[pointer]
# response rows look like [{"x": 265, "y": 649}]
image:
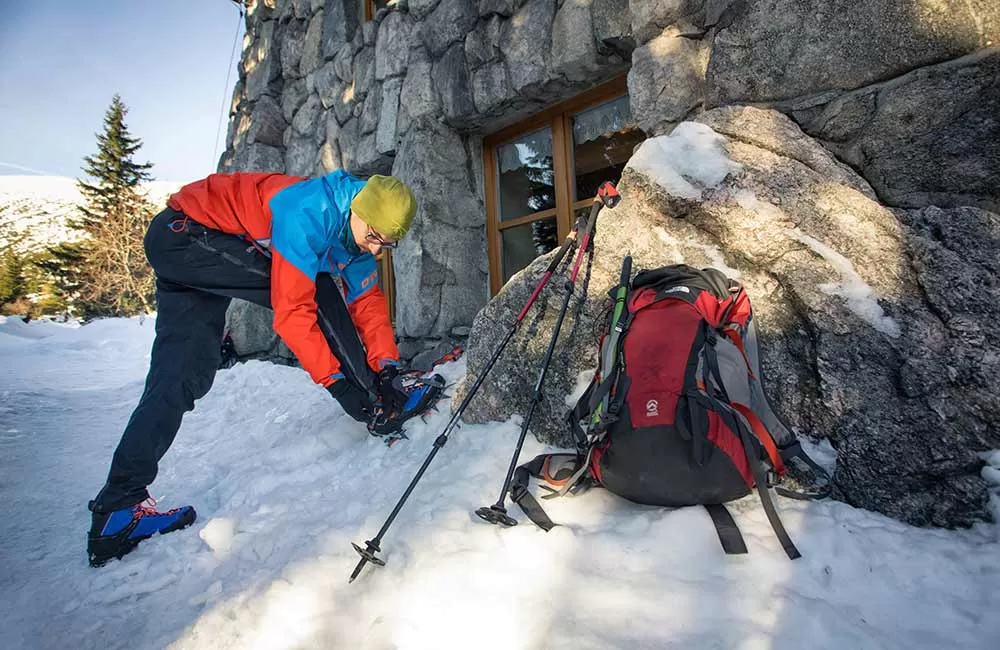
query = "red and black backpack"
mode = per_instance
[{"x": 676, "y": 413}]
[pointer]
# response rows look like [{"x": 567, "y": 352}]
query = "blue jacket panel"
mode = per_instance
[{"x": 310, "y": 228}]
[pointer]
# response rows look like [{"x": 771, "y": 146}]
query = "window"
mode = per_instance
[
  {"x": 542, "y": 172},
  {"x": 371, "y": 7}
]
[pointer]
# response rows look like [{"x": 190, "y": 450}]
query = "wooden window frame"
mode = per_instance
[
  {"x": 369, "y": 9},
  {"x": 387, "y": 275},
  {"x": 558, "y": 119}
]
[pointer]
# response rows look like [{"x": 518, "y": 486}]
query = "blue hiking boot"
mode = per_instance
[
  {"x": 114, "y": 534},
  {"x": 423, "y": 392}
]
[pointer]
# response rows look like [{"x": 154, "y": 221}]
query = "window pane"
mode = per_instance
[
  {"x": 522, "y": 244},
  {"x": 526, "y": 175},
  {"x": 603, "y": 139}
]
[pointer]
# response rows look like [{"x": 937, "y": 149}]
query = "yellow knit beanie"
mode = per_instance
[{"x": 387, "y": 205}]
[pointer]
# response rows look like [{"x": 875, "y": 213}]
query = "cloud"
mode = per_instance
[{"x": 30, "y": 170}]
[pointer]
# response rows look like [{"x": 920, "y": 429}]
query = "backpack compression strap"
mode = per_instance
[
  {"x": 567, "y": 472},
  {"x": 727, "y": 530},
  {"x": 519, "y": 492}
]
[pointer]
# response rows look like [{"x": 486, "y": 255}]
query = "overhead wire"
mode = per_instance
[{"x": 225, "y": 94}]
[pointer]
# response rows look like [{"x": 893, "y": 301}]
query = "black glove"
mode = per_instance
[
  {"x": 354, "y": 400},
  {"x": 390, "y": 391}
]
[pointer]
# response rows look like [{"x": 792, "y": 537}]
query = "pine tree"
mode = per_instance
[
  {"x": 106, "y": 274},
  {"x": 63, "y": 268},
  {"x": 12, "y": 280}
]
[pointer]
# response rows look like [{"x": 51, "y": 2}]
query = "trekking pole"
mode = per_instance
[
  {"x": 372, "y": 546},
  {"x": 497, "y": 513}
]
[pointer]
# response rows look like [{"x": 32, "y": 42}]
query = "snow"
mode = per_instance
[
  {"x": 283, "y": 482},
  {"x": 687, "y": 161},
  {"x": 218, "y": 535}
]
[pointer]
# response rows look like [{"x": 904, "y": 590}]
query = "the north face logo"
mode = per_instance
[{"x": 652, "y": 408}]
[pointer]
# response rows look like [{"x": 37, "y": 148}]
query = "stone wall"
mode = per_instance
[{"x": 413, "y": 91}]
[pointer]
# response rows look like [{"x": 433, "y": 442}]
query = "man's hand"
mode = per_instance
[
  {"x": 390, "y": 391},
  {"x": 353, "y": 400}
]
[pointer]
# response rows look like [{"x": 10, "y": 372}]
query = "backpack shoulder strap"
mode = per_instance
[
  {"x": 581, "y": 411},
  {"x": 764, "y": 436},
  {"x": 736, "y": 423},
  {"x": 765, "y": 498}
]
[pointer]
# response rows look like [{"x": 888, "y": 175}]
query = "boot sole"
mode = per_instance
[{"x": 101, "y": 550}]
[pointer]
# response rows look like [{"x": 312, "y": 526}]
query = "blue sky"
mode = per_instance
[{"x": 61, "y": 61}]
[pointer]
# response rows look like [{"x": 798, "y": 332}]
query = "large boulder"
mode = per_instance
[{"x": 864, "y": 340}]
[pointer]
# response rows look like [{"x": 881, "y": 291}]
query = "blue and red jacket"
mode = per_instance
[{"x": 306, "y": 224}]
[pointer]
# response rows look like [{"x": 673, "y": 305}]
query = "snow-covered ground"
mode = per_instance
[{"x": 283, "y": 482}]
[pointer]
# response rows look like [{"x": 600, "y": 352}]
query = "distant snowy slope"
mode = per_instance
[{"x": 35, "y": 210}]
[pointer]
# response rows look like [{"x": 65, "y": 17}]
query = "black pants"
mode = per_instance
[{"x": 198, "y": 272}]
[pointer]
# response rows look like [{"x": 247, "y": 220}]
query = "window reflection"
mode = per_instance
[
  {"x": 522, "y": 244},
  {"x": 527, "y": 178},
  {"x": 603, "y": 140}
]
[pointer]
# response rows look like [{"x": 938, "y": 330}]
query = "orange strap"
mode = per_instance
[{"x": 764, "y": 436}]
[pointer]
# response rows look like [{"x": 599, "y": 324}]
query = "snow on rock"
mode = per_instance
[
  {"x": 687, "y": 161},
  {"x": 991, "y": 474},
  {"x": 853, "y": 289},
  {"x": 858, "y": 295},
  {"x": 582, "y": 382},
  {"x": 714, "y": 255}
]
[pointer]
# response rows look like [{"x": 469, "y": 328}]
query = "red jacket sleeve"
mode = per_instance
[{"x": 293, "y": 296}]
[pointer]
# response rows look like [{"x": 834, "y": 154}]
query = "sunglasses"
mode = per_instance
[{"x": 376, "y": 238}]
